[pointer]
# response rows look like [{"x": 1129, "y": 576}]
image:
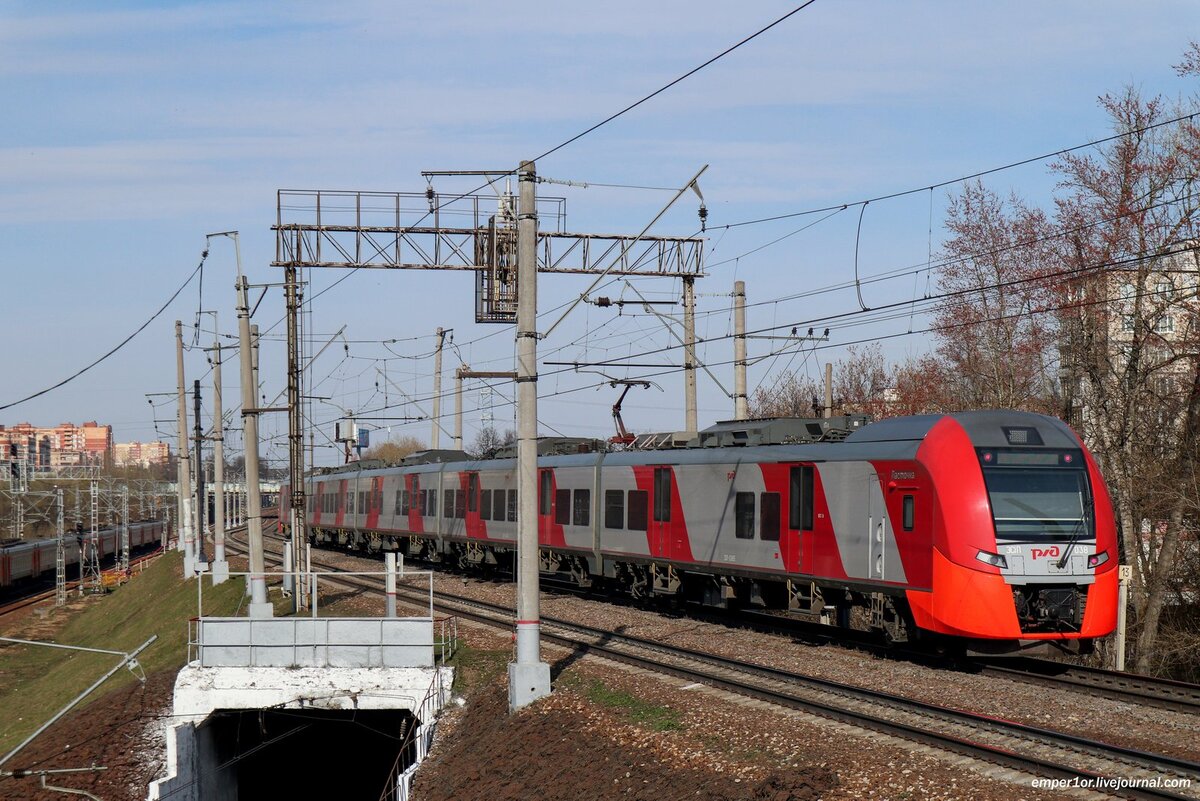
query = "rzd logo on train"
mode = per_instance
[{"x": 1044, "y": 553}]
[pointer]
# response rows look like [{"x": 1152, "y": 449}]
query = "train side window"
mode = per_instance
[
  {"x": 662, "y": 494},
  {"x": 638, "y": 508},
  {"x": 795, "y": 497},
  {"x": 512, "y": 506},
  {"x": 448, "y": 503},
  {"x": 562, "y": 507},
  {"x": 498, "y": 505},
  {"x": 768, "y": 505},
  {"x": 800, "y": 498},
  {"x": 472, "y": 492},
  {"x": 743, "y": 515},
  {"x": 614, "y": 509},
  {"x": 485, "y": 505},
  {"x": 401, "y": 502},
  {"x": 432, "y": 506},
  {"x": 806, "y": 511},
  {"x": 460, "y": 505},
  {"x": 581, "y": 508},
  {"x": 909, "y": 512},
  {"x": 544, "y": 497}
]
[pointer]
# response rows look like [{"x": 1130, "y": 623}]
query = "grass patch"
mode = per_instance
[
  {"x": 36, "y": 682},
  {"x": 643, "y": 713},
  {"x": 476, "y": 667}
]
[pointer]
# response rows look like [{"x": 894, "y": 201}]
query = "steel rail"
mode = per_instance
[
  {"x": 1135, "y": 688},
  {"x": 608, "y": 647}
]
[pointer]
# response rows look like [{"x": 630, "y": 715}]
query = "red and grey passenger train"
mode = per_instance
[
  {"x": 990, "y": 529},
  {"x": 29, "y": 559}
]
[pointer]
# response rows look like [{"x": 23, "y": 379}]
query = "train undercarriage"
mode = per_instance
[
  {"x": 1042, "y": 609},
  {"x": 648, "y": 581}
]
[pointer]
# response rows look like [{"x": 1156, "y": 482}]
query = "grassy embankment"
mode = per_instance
[{"x": 35, "y": 682}]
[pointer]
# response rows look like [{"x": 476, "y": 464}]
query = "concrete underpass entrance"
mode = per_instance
[
  {"x": 304, "y": 708},
  {"x": 289, "y": 753}
]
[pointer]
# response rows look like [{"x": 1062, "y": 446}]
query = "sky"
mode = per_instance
[{"x": 133, "y": 129}]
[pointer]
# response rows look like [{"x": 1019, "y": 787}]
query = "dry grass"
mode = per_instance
[{"x": 35, "y": 682}]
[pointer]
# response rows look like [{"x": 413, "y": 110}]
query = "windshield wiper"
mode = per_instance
[{"x": 1076, "y": 535}]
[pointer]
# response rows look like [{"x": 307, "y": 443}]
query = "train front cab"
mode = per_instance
[{"x": 1024, "y": 555}]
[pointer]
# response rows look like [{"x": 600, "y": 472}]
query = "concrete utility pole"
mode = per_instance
[
  {"x": 296, "y": 521},
  {"x": 259, "y": 605},
  {"x": 434, "y": 437},
  {"x": 828, "y": 389},
  {"x": 389, "y": 585},
  {"x": 528, "y": 676},
  {"x": 201, "y": 498},
  {"x": 254, "y": 350},
  {"x": 220, "y": 567},
  {"x": 184, "y": 479},
  {"x": 458, "y": 421},
  {"x": 460, "y": 374},
  {"x": 689, "y": 353},
  {"x": 741, "y": 409},
  {"x": 502, "y": 295}
]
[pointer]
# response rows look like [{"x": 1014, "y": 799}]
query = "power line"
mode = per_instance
[
  {"x": 120, "y": 345},
  {"x": 680, "y": 79},
  {"x": 589, "y": 130},
  {"x": 980, "y": 174}
]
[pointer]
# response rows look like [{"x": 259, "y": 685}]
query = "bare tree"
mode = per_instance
[
  {"x": 393, "y": 451},
  {"x": 1131, "y": 336},
  {"x": 489, "y": 441},
  {"x": 997, "y": 347}
]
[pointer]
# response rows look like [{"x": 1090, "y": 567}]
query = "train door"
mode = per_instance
[
  {"x": 661, "y": 525},
  {"x": 877, "y": 522},
  {"x": 799, "y": 517}
]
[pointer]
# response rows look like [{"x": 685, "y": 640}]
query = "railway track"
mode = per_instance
[
  {"x": 1133, "y": 688},
  {"x": 22, "y": 602},
  {"x": 27, "y": 601},
  {"x": 1032, "y": 750}
]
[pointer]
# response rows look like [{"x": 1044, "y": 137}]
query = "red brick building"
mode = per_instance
[{"x": 64, "y": 444}]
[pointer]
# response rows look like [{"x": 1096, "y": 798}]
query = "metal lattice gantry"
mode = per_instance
[
  {"x": 60, "y": 556},
  {"x": 411, "y": 231},
  {"x": 89, "y": 556}
]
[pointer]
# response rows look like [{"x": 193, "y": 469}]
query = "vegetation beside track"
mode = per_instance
[{"x": 35, "y": 682}]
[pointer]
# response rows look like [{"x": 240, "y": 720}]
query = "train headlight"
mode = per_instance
[
  {"x": 1097, "y": 559},
  {"x": 993, "y": 559}
]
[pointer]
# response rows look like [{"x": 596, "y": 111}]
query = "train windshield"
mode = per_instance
[{"x": 1038, "y": 504}]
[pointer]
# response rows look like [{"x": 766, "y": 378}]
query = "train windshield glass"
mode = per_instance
[{"x": 1033, "y": 504}]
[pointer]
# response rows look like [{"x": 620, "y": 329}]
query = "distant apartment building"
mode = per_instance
[
  {"x": 1151, "y": 312},
  {"x": 64, "y": 444},
  {"x": 140, "y": 454}
]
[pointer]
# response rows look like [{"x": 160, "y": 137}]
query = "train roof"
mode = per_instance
[
  {"x": 993, "y": 428},
  {"x": 892, "y": 438}
]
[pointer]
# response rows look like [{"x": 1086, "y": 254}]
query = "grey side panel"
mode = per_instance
[
  {"x": 622, "y": 540},
  {"x": 708, "y": 495},
  {"x": 864, "y": 533}
]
